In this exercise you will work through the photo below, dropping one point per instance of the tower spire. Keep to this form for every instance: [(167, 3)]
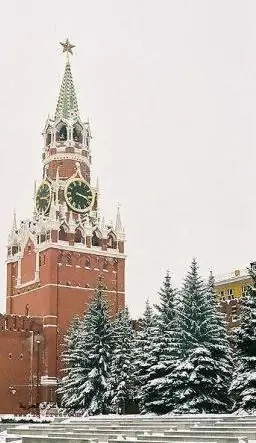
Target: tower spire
[(118, 227), (67, 106)]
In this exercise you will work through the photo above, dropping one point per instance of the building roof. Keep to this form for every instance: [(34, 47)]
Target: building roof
[(67, 106)]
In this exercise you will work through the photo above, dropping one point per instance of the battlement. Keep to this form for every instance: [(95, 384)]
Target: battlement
[(10, 322)]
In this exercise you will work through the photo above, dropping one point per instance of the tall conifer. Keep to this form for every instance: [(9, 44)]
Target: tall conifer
[(200, 381), (92, 368), (243, 388), (156, 393), (122, 368)]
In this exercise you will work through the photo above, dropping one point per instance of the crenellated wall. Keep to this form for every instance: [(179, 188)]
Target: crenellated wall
[(21, 363)]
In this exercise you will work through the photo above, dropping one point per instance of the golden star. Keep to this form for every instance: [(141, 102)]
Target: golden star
[(67, 47)]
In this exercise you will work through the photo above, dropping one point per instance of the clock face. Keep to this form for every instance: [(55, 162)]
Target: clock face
[(43, 197), (79, 195)]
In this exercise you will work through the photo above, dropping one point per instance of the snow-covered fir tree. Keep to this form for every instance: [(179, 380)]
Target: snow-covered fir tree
[(91, 392), (72, 357), (166, 307), (122, 368), (220, 347), (156, 393), (142, 346), (243, 388), (198, 340)]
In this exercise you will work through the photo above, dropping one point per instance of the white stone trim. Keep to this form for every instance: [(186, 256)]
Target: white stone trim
[(48, 381), (64, 286), (74, 248), (66, 156), (31, 282)]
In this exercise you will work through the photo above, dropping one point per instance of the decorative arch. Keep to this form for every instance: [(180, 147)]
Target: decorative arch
[(111, 240), (77, 133), (62, 132), (96, 238), (63, 235), (48, 136), (78, 236)]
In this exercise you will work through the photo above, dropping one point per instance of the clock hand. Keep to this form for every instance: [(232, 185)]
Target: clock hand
[(81, 195)]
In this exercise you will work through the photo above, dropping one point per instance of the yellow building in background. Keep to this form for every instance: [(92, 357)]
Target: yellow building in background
[(233, 285), (230, 289)]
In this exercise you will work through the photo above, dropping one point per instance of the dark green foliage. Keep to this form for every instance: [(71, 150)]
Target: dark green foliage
[(122, 368), (243, 388), (85, 386), (156, 392), (200, 344)]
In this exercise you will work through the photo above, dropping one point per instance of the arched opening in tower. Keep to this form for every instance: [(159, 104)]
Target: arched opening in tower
[(62, 133), (77, 134)]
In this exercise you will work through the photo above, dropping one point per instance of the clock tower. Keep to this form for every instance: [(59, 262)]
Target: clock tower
[(56, 256)]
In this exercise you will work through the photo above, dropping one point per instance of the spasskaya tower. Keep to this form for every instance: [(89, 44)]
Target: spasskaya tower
[(55, 257)]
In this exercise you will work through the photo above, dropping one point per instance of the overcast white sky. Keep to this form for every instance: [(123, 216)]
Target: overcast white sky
[(170, 89)]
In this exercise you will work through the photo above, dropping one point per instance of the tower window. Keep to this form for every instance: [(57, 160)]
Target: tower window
[(87, 262), (48, 139), (111, 242), (105, 264), (62, 234), (115, 264), (77, 134), (78, 237), (62, 133), (95, 240), (43, 237)]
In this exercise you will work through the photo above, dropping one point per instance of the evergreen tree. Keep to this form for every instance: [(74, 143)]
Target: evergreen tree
[(156, 393), (91, 386), (166, 306), (71, 358), (220, 347), (199, 340), (142, 346), (122, 369), (243, 388)]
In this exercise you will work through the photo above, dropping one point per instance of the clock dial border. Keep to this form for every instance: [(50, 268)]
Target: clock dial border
[(74, 208), (50, 196)]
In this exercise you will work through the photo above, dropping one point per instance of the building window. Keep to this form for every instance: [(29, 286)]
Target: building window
[(78, 237), (43, 237), (62, 234), (115, 264), (95, 240), (244, 291), (69, 260), (111, 242), (105, 264), (10, 356), (87, 262)]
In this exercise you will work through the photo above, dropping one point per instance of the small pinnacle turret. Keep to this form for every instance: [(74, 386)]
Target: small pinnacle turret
[(118, 227)]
